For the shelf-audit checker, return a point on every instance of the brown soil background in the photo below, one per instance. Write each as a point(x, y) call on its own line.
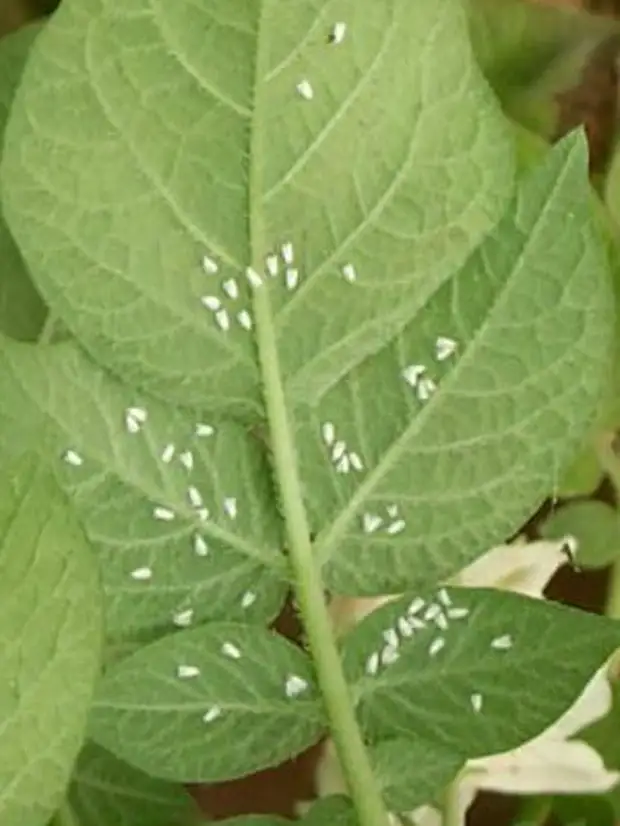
point(593, 102)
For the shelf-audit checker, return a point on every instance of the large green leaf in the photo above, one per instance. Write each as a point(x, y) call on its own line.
point(473, 670)
point(22, 311)
point(446, 477)
point(50, 625)
point(596, 527)
point(336, 810)
point(180, 130)
point(209, 704)
point(107, 792)
point(190, 565)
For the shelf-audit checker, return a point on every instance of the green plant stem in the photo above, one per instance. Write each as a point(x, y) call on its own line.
point(352, 752)
point(535, 811)
point(450, 810)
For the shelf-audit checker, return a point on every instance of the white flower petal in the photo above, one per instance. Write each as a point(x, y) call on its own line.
point(522, 567)
point(546, 766)
point(593, 704)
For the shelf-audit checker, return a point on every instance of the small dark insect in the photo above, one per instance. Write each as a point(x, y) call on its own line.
point(569, 549)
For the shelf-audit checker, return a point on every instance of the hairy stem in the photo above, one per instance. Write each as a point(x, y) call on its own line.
point(362, 783)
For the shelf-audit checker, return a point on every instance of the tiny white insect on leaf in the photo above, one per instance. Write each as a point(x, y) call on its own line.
point(425, 389)
point(476, 702)
point(231, 650)
point(163, 514)
point(245, 319)
point(435, 647)
point(248, 599)
point(444, 348)
point(271, 263)
point(458, 613)
point(295, 686)
point(391, 637)
point(291, 278)
point(253, 277)
point(203, 514)
point(338, 33)
point(338, 450)
point(211, 302)
point(405, 628)
point(138, 413)
point(231, 288)
point(132, 424)
point(222, 319)
point(371, 522)
point(416, 606)
point(167, 453)
point(372, 664)
point(204, 429)
point(142, 574)
point(432, 612)
point(183, 619)
point(444, 598)
point(230, 507)
point(200, 545)
point(287, 252)
point(212, 714)
point(413, 373)
point(187, 672)
point(187, 459)
point(209, 265)
point(194, 496)
point(328, 431)
point(441, 622)
point(396, 527)
point(343, 465)
point(389, 655)
point(73, 458)
point(502, 643)
point(392, 510)
point(356, 461)
point(349, 273)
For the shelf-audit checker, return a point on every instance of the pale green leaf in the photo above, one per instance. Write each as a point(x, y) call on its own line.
point(336, 810)
point(50, 621)
point(177, 131)
point(107, 792)
point(55, 399)
point(595, 525)
point(473, 670)
point(22, 311)
point(248, 701)
point(531, 310)
point(413, 771)
point(582, 476)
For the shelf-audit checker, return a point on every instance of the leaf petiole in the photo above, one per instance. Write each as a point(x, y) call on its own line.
point(358, 771)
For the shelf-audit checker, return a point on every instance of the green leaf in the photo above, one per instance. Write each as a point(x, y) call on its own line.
point(183, 134)
point(210, 704)
point(107, 792)
point(22, 312)
point(531, 310)
point(530, 51)
point(484, 672)
point(55, 399)
point(336, 810)
point(582, 476)
point(595, 525)
point(584, 810)
point(50, 621)
point(413, 771)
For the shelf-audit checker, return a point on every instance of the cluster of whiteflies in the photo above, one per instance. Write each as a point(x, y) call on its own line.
point(555, 762)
